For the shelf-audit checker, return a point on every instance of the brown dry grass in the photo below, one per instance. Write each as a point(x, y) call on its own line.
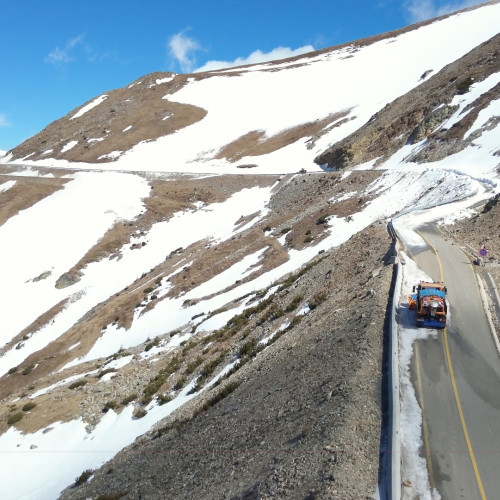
point(50, 408)
point(220, 257)
point(167, 196)
point(140, 105)
point(26, 192)
point(256, 143)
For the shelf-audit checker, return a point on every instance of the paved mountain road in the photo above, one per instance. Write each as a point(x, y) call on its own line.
point(456, 374)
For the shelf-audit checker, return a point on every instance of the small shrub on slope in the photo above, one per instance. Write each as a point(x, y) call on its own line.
point(14, 418)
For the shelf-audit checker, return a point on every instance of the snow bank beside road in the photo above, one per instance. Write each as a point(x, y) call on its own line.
point(413, 465)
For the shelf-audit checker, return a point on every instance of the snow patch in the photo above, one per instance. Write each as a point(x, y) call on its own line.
point(6, 185)
point(68, 146)
point(89, 106)
point(111, 156)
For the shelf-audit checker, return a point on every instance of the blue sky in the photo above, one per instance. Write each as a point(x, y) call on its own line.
point(55, 55)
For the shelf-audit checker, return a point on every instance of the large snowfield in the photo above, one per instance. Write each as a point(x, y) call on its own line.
point(55, 233)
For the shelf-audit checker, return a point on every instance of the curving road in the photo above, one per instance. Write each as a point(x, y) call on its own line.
point(457, 378)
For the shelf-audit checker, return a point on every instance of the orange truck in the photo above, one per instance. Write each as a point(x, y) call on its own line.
point(429, 300)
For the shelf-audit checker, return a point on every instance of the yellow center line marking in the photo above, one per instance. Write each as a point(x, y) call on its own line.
point(455, 389)
point(462, 419)
point(424, 420)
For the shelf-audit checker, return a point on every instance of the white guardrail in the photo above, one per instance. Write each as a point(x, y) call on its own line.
point(395, 464)
point(395, 435)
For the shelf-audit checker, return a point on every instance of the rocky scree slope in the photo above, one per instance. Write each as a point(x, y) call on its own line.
point(324, 367)
point(419, 114)
point(483, 226)
point(300, 418)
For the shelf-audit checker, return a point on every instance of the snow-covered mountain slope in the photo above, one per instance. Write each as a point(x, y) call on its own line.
point(150, 270)
point(274, 117)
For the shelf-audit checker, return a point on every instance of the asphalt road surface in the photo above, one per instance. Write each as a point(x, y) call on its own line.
point(456, 374)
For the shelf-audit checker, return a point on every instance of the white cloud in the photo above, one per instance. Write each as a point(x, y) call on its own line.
point(3, 121)
point(257, 57)
point(60, 56)
point(182, 49)
point(420, 10)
